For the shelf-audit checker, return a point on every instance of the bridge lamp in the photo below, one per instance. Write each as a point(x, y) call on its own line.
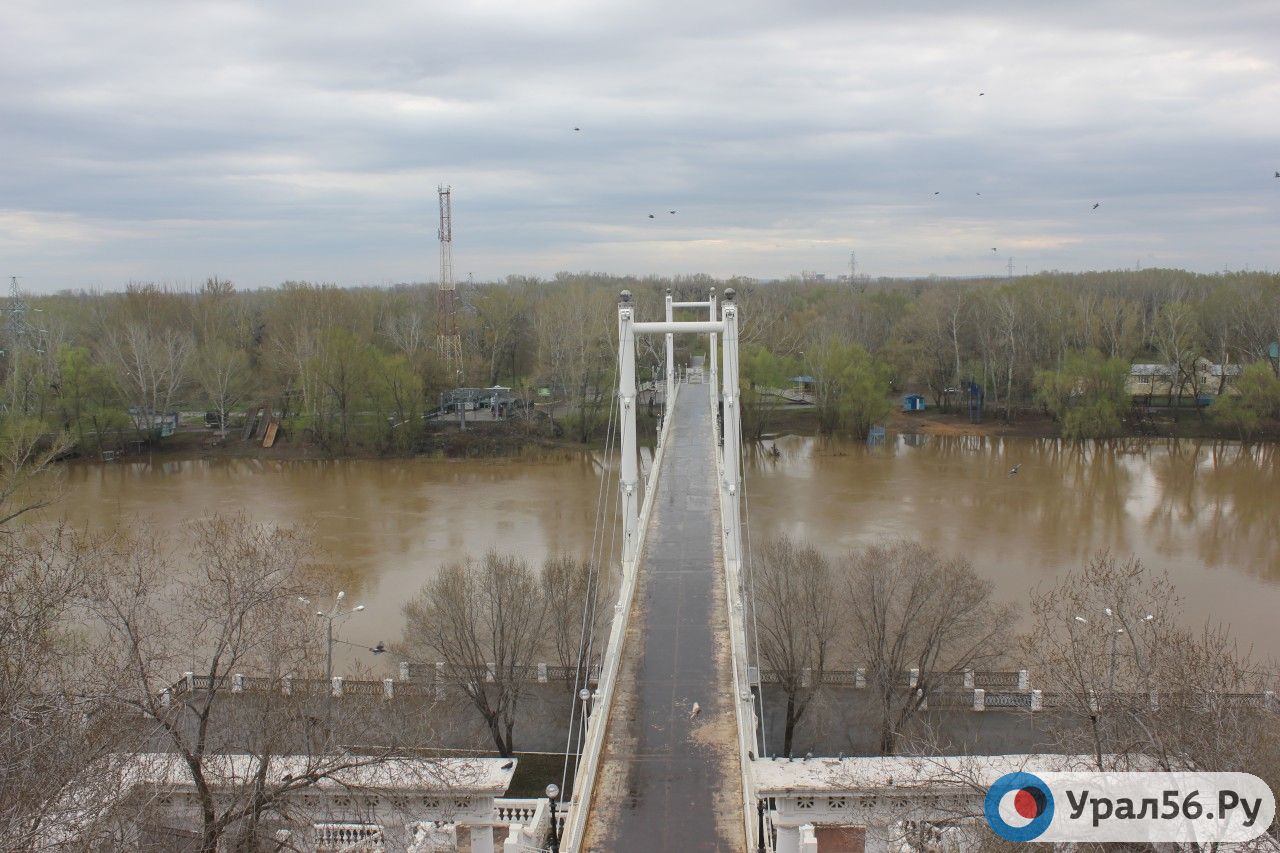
point(553, 793)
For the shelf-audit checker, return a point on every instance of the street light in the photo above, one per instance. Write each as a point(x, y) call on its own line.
point(553, 793)
point(335, 612)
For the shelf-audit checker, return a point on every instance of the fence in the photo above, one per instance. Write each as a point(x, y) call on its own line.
point(967, 679)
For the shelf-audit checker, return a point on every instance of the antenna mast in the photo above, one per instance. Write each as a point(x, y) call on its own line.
point(448, 341)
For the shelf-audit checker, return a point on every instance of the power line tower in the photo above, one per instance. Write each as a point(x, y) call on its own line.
point(448, 341)
point(1010, 266)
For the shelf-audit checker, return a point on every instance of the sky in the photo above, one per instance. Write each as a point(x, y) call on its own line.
point(263, 142)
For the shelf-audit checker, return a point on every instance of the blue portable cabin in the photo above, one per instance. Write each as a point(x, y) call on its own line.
point(914, 403)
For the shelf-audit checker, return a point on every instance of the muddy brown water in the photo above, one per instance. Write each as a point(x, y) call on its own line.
point(1207, 512)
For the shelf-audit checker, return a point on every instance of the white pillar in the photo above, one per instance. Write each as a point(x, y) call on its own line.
point(481, 839)
point(626, 405)
point(808, 839)
point(1024, 681)
point(712, 353)
point(671, 362)
point(788, 840)
point(388, 688)
point(979, 699)
point(732, 431)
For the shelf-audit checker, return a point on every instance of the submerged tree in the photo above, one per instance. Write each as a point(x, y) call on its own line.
point(1086, 395)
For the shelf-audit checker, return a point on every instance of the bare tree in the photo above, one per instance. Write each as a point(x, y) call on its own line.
point(578, 594)
point(150, 368)
point(53, 732)
point(1129, 681)
point(222, 372)
point(484, 620)
point(911, 608)
point(233, 611)
point(795, 607)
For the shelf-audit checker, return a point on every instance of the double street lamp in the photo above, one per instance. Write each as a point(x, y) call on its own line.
point(335, 613)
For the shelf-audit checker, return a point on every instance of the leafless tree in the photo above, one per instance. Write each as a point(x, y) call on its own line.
point(484, 620)
point(234, 610)
point(1130, 681)
point(911, 608)
point(578, 594)
point(222, 372)
point(150, 367)
point(796, 608)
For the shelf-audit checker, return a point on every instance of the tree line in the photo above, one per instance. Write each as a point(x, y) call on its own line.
point(359, 367)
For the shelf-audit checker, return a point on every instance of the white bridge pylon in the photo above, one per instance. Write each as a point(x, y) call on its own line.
point(726, 330)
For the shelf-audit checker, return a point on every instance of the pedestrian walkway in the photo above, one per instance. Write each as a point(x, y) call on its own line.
point(669, 776)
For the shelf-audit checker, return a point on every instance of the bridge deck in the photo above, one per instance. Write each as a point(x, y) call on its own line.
point(669, 781)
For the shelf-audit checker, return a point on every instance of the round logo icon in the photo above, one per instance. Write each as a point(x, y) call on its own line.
point(1019, 807)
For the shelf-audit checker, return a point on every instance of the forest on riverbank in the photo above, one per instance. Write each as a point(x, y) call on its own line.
point(357, 370)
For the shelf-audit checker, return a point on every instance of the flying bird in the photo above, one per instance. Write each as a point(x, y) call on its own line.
point(672, 212)
point(993, 248)
point(939, 192)
point(1096, 205)
point(379, 648)
point(980, 94)
point(576, 129)
point(1014, 469)
point(1278, 174)
point(651, 216)
point(977, 193)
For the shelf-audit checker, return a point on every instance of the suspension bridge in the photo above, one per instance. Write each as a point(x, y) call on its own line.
point(664, 759)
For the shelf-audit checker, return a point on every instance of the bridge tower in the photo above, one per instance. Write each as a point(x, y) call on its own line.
point(448, 341)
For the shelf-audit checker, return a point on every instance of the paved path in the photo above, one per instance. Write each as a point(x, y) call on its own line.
point(669, 781)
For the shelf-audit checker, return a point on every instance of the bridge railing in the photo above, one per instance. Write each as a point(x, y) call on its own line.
point(575, 822)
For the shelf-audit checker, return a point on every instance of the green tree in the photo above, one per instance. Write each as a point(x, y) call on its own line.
point(1258, 398)
point(850, 388)
point(761, 374)
point(87, 404)
point(1087, 395)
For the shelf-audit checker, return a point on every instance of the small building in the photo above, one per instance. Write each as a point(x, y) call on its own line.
point(914, 403)
point(804, 384)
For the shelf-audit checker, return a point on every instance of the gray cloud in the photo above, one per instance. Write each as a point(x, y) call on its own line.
point(265, 142)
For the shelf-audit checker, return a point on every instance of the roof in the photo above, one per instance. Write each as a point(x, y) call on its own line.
point(801, 379)
point(778, 776)
point(1151, 370)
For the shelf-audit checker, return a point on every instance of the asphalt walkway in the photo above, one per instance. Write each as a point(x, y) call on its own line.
point(669, 778)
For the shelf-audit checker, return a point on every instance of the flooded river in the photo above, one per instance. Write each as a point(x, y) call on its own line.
point(1205, 512)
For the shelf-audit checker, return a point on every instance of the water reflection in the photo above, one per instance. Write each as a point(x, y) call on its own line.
point(1202, 510)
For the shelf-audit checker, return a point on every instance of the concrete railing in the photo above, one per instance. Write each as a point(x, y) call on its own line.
point(1012, 679)
point(575, 822)
point(528, 822)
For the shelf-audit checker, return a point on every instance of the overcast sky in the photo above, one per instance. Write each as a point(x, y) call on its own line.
point(170, 141)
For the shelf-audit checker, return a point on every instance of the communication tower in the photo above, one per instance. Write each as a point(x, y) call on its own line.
point(448, 341)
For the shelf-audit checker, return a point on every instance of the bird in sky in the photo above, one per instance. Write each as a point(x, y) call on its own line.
point(980, 94)
point(939, 192)
point(577, 129)
point(993, 248)
point(1096, 205)
point(1278, 174)
point(651, 216)
point(672, 212)
point(977, 193)
point(379, 648)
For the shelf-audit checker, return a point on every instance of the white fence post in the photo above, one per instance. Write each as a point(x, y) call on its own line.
point(542, 673)
point(404, 670)
point(237, 682)
point(1037, 700)
point(286, 685)
point(859, 678)
point(979, 699)
point(389, 688)
point(806, 677)
point(968, 679)
point(808, 839)
point(913, 677)
point(490, 670)
point(335, 686)
point(1023, 680)
point(190, 678)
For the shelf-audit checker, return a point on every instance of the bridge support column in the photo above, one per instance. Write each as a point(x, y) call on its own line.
point(712, 352)
point(628, 470)
point(732, 426)
point(671, 360)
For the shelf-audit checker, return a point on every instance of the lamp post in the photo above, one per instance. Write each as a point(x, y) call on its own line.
point(335, 612)
point(553, 793)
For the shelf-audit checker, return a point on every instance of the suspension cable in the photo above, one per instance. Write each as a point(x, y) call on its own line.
point(751, 588)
